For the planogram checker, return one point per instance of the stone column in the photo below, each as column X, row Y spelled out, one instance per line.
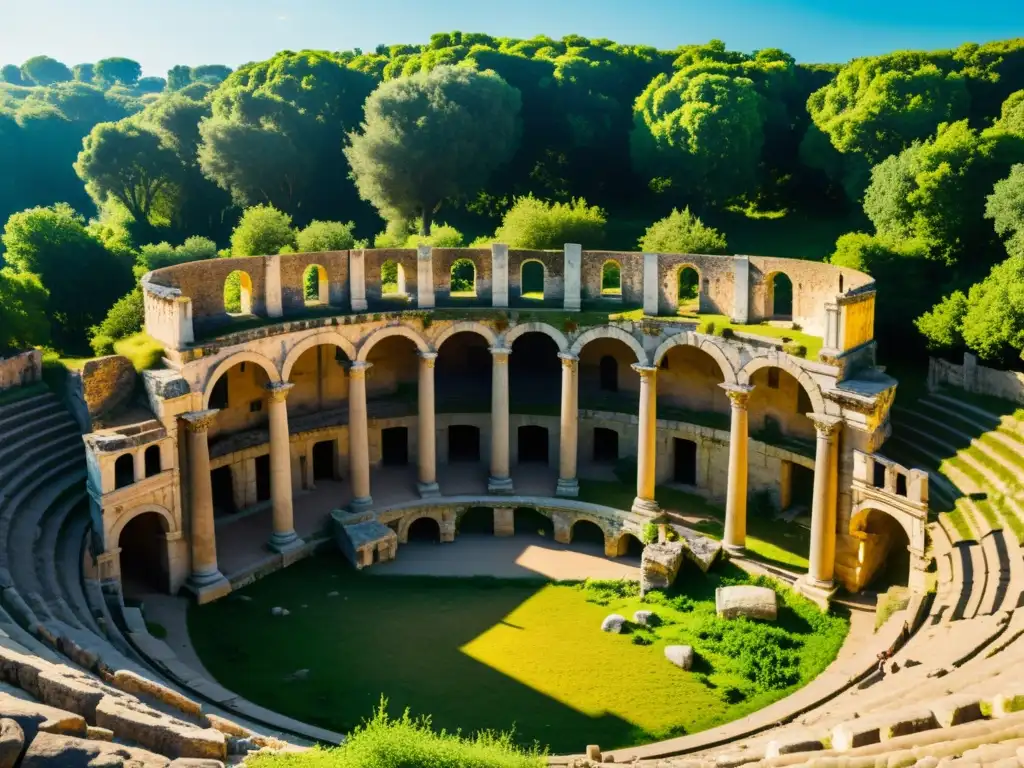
column 500, row 481
column 206, row 581
column 357, row 279
column 741, row 289
column 358, row 438
column 652, row 288
column 571, row 277
column 823, row 508
column 284, row 538
column 568, row 484
column 425, row 277
column 735, row 538
column 273, row 303
column 427, row 438
column 647, row 433
column 499, row 275
column 504, row 521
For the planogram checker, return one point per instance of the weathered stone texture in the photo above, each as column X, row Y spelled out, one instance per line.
column 680, row 655
column 748, row 601
column 659, row 565
column 107, row 383
column 293, row 268
column 613, row 623
column 554, row 273
column 50, row 750
column 12, row 741
column 21, row 369
column 443, row 258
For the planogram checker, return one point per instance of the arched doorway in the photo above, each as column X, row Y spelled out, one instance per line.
column 630, row 546
column 531, row 281
column 606, row 445
column 463, row 279
column 889, row 564
column 143, row 545
column 530, row 522
column 238, row 293
column 534, row 373
column 426, row 530
column 611, row 279
column 152, row 460
column 587, row 532
column 463, row 374
column 533, row 444
column 392, row 279
column 779, row 297
column 124, row 470
column 315, row 291
column 476, row 520
column 688, row 291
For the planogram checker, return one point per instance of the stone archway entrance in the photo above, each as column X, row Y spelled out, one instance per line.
column 143, row 545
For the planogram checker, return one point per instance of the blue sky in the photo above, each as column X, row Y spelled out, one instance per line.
column 160, row 34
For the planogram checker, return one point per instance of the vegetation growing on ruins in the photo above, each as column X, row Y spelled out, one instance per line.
column 528, row 652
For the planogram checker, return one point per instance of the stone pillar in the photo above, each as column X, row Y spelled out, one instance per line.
column 425, row 277
column 831, row 346
column 735, row 538
column 427, row 438
column 206, row 581
column 647, row 433
column 823, row 508
column 499, row 275
column 500, row 480
column 139, row 464
column 568, row 484
column 652, row 291
column 357, row 279
column 504, row 521
column 741, row 299
column 272, row 301
column 358, row 438
column 284, row 538
column 572, row 279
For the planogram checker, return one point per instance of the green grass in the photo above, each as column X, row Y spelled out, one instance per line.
column 959, row 522
column 15, row 394
column 143, row 350
column 1012, row 519
column 496, row 654
column 895, row 599
column 772, row 541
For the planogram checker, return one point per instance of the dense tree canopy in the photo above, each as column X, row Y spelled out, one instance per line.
column 42, row 70
column 118, row 70
column 23, row 320
column 433, row 137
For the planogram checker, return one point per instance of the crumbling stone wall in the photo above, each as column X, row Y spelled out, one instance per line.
column 107, row 384
column 631, row 270
column 293, row 268
column 21, row 369
column 443, row 258
column 373, row 260
column 202, row 282
column 554, row 273
column 716, row 282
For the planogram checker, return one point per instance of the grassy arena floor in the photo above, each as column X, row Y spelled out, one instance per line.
column 487, row 654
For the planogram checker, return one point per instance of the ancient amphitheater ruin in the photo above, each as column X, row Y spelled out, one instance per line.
column 419, row 404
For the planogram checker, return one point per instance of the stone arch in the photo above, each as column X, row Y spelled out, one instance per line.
column 411, row 517
column 522, row 275
column 769, row 281
column 315, row 340
column 233, row 360
column 556, row 335
column 607, row 528
column 710, row 348
column 620, row 541
column 915, row 532
column 465, row 325
column 609, row 290
column 322, row 284
column 114, row 533
column 782, row 362
column 245, row 297
column 610, row 332
column 392, row 330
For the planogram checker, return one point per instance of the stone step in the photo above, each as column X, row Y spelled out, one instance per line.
column 71, row 545
column 964, row 409
column 25, row 462
column 997, row 560
column 27, row 408
column 47, row 555
column 33, row 432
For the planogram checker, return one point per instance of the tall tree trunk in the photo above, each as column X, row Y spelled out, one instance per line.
column 426, row 220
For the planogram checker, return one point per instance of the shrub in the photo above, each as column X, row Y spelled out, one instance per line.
column 727, row 333
column 143, row 350
column 325, row 236
column 682, row 232
column 533, row 223
column 441, row 236
column 794, row 348
column 101, row 344
column 261, row 231
column 124, row 318
column 649, row 534
column 706, row 327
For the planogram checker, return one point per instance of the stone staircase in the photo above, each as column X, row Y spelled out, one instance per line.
column 69, row 677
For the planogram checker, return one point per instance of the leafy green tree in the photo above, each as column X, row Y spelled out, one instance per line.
column 127, row 316
column 178, row 77
column 325, row 236
column 256, row 164
column 261, row 231
column 682, row 232
column 150, row 85
column 23, row 305
column 532, row 223
column 77, row 102
column 432, row 137
column 1011, row 116
column 83, row 278
column 11, row 73
column 704, row 131
column 935, row 192
column 441, row 236
column 877, row 106
column 128, row 163
column 42, row 70
column 210, row 73
column 942, row 325
column 83, row 73
column 993, row 326
column 118, row 70
column 1005, row 206
column 159, row 255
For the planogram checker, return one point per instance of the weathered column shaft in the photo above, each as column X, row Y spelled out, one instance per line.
column 823, row 508
column 283, row 537
column 358, row 437
column 568, row 484
column 427, row 437
column 646, row 449
column 500, row 480
column 205, row 575
column 735, row 538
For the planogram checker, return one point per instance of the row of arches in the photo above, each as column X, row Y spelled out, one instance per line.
column 125, row 470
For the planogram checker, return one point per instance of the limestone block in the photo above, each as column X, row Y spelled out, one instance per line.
column 701, row 551
column 195, row 762
column 227, row 726
column 659, row 565
column 881, row 727
column 956, row 709
column 12, row 741
column 680, row 655
column 47, row 750
column 645, row 618
column 613, row 623
column 746, row 600
column 99, row 734
column 791, row 742
column 155, row 730
column 67, row 691
column 32, row 717
column 107, row 382
column 594, row 752
column 130, row 682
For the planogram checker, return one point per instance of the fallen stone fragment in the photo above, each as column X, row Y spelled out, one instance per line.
column 47, row 750
column 613, row 623
column 12, row 741
column 645, row 618
column 748, row 601
column 680, row 655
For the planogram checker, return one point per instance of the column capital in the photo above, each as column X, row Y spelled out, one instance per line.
column 645, row 371
column 825, row 425
column 500, row 354
column 358, row 369
column 199, row 421
column 738, row 394
column 568, row 359
column 427, row 356
column 278, row 390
